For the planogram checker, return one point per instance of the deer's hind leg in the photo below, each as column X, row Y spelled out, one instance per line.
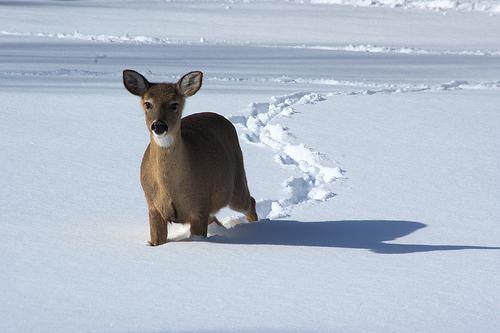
column 199, row 224
column 241, row 200
column 245, row 204
column 251, row 213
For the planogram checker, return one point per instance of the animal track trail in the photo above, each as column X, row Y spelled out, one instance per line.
column 315, row 174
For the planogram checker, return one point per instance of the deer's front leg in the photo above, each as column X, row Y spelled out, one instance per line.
column 158, row 227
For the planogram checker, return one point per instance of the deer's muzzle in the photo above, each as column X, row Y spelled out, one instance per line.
column 159, row 127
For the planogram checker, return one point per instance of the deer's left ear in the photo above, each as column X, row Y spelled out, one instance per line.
column 190, row 83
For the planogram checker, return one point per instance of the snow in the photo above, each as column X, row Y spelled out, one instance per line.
column 370, row 135
column 487, row 6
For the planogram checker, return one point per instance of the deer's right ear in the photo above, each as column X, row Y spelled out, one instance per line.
column 135, row 82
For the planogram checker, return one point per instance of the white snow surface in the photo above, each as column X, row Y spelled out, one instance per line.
column 370, row 134
column 488, row 6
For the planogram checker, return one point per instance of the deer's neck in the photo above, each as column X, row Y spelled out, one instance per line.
column 168, row 149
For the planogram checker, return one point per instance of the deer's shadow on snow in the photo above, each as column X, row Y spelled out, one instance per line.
column 356, row 234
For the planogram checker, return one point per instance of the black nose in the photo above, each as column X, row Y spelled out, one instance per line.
column 159, row 127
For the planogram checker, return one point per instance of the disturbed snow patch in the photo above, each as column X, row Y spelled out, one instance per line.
column 316, row 175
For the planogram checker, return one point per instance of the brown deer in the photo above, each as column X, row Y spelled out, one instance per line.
column 193, row 166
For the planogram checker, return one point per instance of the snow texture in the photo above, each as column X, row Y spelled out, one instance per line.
column 370, row 135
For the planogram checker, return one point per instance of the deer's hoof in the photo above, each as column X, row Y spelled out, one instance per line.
column 150, row 243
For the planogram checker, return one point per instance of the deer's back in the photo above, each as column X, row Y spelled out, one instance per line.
column 212, row 143
column 207, row 130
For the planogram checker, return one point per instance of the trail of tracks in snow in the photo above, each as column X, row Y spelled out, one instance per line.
column 315, row 175
column 151, row 40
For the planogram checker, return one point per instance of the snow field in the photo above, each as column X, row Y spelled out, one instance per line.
column 370, row 137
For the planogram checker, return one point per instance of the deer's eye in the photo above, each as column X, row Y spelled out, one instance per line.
column 174, row 106
column 148, row 105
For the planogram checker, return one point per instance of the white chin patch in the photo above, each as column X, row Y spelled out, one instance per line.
column 164, row 140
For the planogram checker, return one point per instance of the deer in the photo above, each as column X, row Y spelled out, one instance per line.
column 193, row 165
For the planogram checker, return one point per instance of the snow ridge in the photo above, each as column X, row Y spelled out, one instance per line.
column 125, row 38
column 452, row 85
column 60, row 72
column 140, row 39
column 314, row 175
column 487, row 6
column 370, row 48
column 369, row 87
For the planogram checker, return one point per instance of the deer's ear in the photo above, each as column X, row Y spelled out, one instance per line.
column 135, row 82
column 190, row 83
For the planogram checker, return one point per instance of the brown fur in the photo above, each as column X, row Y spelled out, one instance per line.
column 201, row 172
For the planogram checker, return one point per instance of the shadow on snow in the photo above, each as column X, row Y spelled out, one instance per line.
column 355, row 234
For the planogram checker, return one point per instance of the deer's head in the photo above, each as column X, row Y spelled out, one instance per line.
column 162, row 102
